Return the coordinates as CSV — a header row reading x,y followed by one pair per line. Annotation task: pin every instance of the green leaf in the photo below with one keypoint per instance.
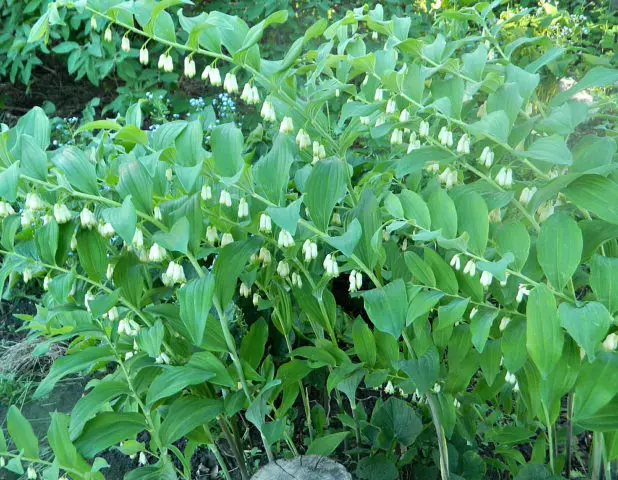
x,y
544,338
552,149
597,194
480,325
398,421
419,269
327,444
591,393
123,219
445,276
107,429
73,363
449,314
495,125
177,239
604,281
173,380
414,208
559,249
21,433
195,300
423,371
595,77
99,125
254,342
377,467
60,443
227,144
80,173
325,186
587,325
150,339
549,56
33,160
186,414
36,124
498,268
46,239
368,214
130,135
40,28
513,237
91,248
443,213
136,182
514,345
393,205
490,361
230,263
210,363
364,342
415,161
472,215
9,179
347,242
271,172
286,217
592,152
90,405
387,307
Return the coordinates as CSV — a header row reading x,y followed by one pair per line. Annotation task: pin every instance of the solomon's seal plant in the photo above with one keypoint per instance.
x,y
407,216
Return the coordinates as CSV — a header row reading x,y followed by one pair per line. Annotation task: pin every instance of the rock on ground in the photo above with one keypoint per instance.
x,y
306,467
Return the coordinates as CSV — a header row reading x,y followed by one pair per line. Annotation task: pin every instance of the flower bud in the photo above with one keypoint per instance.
x,y
34,202
73,242
230,84
61,213
396,137
330,265
6,209
287,125
423,129
225,198
226,239
268,112
265,256
244,290
391,106
495,215
526,195
310,250
470,268
189,67
206,192
521,292
448,177
93,23
256,299
463,146
486,279
106,230
265,223
157,213
365,120
404,116
87,219
243,208
31,473
285,239
215,77
610,343
389,389
107,36
156,253
212,235
168,65
125,44
142,459
169,174
504,323
283,269
545,211
27,218
112,314
161,62
143,55
109,273
303,140
456,262
379,95
297,280
336,219
432,167
138,239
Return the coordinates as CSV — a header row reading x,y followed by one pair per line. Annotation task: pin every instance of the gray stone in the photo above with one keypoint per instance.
x,y
306,467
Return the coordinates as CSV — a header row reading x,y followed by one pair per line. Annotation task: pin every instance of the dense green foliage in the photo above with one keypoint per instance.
x,y
397,247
